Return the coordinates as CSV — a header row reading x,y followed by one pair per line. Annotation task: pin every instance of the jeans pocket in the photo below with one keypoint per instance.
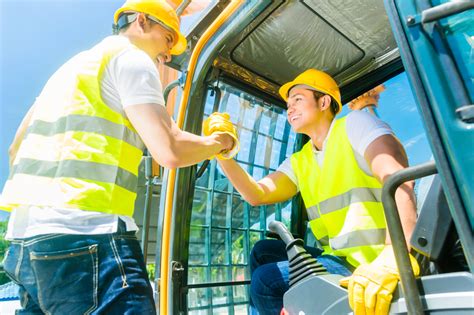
x,y
67,280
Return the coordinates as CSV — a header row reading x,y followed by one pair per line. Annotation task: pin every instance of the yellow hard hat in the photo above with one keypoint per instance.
x,y
160,10
318,80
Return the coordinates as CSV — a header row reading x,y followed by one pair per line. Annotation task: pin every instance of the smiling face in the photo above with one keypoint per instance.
x,y
303,111
153,38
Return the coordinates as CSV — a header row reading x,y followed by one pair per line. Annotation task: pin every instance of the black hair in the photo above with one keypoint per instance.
x,y
334,106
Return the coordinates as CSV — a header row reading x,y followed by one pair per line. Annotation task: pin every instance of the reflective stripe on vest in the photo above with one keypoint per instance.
x,y
78,152
78,169
76,123
343,203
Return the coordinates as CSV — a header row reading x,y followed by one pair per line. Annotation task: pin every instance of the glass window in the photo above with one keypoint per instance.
x,y
397,107
459,32
224,228
195,12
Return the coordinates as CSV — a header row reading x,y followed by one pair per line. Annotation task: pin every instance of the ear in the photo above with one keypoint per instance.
x,y
325,102
141,20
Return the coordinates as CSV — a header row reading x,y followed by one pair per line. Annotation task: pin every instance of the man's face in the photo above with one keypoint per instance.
x,y
302,109
155,39
163,40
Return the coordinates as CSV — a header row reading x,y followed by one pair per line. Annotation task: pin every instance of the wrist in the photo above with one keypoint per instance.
x,y
225,140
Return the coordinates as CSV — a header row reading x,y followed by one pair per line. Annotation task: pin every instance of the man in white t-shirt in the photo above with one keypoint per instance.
x,y
339,174
74,170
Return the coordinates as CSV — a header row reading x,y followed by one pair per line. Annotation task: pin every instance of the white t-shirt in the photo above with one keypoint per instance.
x,y
362,128
130,78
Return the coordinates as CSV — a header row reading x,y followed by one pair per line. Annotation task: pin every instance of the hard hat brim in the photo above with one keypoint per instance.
x,y
180,46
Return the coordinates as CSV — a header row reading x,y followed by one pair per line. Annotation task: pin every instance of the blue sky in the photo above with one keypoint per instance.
x,y
398,108
38,36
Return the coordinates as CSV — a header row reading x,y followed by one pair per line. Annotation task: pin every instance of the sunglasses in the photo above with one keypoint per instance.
x,y
130,17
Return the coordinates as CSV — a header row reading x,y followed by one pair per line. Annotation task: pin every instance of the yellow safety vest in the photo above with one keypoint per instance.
x,y
343,203
77,153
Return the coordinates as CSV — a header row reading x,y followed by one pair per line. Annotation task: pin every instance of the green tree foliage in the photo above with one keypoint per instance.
x,y
150,268
3,248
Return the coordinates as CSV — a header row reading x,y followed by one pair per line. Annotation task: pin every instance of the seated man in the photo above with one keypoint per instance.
x,y
339,173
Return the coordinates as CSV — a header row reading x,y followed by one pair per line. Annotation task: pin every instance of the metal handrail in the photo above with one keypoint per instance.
x,y
444,10
147,209
394,226
169,88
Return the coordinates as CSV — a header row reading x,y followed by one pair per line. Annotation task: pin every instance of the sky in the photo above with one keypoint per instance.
x,y
38,36
398,108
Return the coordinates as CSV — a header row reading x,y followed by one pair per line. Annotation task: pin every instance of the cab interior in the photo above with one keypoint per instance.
x,y
259,47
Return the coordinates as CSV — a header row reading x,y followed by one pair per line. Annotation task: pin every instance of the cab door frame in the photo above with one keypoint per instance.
x,y
440,93
180,183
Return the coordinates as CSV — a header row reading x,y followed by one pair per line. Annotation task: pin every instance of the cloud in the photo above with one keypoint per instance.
x,y
412,141
410,108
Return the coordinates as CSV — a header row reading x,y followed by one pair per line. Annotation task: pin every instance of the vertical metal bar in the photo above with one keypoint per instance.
x,y
221,104
146,210
228,246
283,149
297,204
269,142
284,143
407,279
182,7
208,246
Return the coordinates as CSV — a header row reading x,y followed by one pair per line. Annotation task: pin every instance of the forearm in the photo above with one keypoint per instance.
x,y
386,156
170,146
250,190
189,149
406,205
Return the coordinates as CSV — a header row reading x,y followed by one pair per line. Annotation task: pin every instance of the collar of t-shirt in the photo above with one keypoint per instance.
x,y
320,153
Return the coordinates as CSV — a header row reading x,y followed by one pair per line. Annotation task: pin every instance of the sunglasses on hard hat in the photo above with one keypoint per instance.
x,y
129,17
166,27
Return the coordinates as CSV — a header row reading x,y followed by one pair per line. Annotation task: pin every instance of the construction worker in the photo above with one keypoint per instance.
x,y
74,169
339,173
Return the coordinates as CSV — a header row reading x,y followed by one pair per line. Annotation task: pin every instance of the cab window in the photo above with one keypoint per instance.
x,y
224,228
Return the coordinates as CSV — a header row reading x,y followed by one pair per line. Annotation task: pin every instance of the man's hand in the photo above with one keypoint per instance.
x,y
220,123
371,285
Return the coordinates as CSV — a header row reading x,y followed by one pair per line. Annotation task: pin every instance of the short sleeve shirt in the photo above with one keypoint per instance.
x,y
362,129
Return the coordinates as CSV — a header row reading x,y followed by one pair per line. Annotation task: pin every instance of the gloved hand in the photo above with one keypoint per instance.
x,y
220,122
371,285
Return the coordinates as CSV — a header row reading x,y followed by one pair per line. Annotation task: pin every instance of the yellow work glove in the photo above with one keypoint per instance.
x,y
220,122
371,285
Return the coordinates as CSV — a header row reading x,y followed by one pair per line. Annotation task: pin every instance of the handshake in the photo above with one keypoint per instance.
x,y
220,123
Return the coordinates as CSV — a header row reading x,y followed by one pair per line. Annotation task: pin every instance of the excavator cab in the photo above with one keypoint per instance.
x,y
411,62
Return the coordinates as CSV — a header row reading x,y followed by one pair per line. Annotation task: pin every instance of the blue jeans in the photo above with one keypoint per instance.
x,y
80,274
270,272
